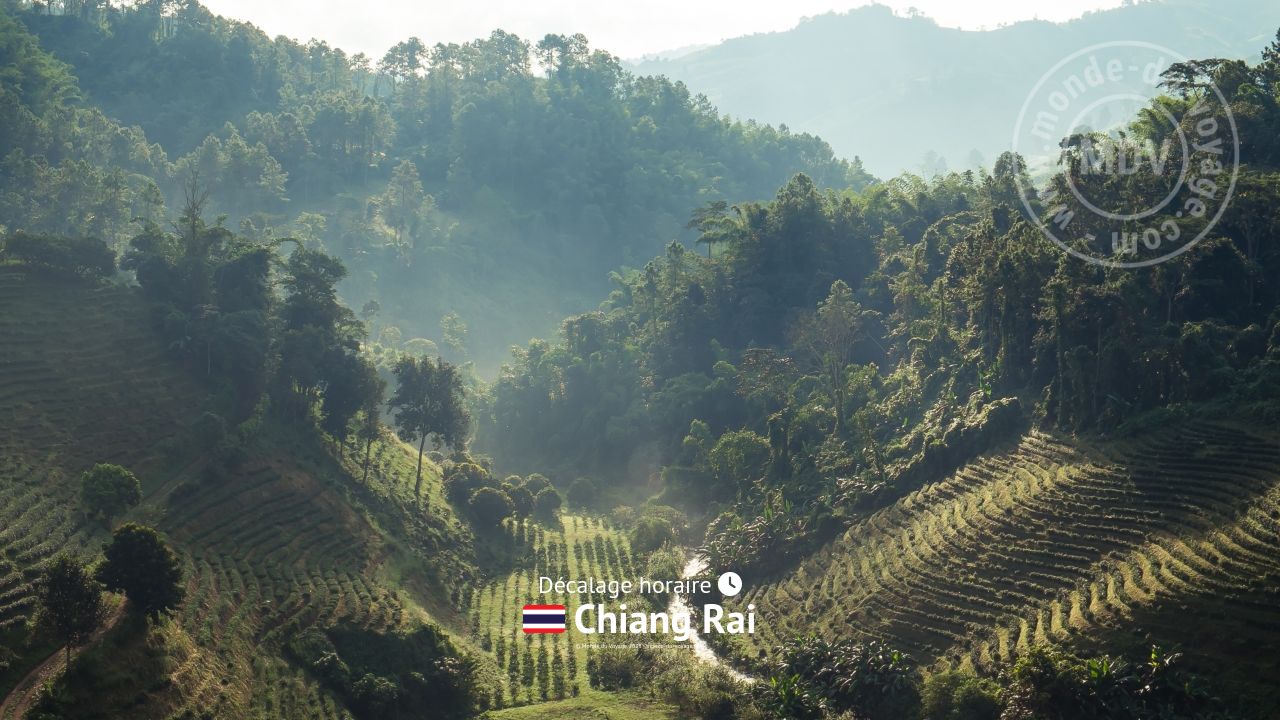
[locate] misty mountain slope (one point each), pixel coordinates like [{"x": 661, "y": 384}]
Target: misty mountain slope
[
  {"x": 890, "y": 89},
  {"x": 1169, "y": 538},
  {"x": 470, "y": 183}
]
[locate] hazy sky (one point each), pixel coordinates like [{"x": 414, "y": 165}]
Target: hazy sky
[{"x": 629, "y": 28}]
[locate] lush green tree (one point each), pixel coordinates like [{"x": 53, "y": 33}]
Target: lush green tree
[
  {"x": 70, "y": 602},
  {"x": 536, "y": 483},
  {"x": 404, "y": 205},
  {"x": 109, "y": 490},
  {"x": 1050, "y": 683},
  {"x": 491, "y": 506},
  {"x": 829, "y": 337},
  {"x": 80, "y": 257},
  {"x": 462, "y": 479},
  {"x": 547, "y": 502},
  {"x": 239, "y": 175},
  {"x": 522, "y": 500},
  {"x": 738, "y": 459},
  {"x": 352, "y": 385},
  {"x": 369, "y": 427},
  {"x": 140, "y": 564},
  {"x": 956, "y": 695},
  {"x": 428, "y": 403},
  {"x": 651, "y": 533}
]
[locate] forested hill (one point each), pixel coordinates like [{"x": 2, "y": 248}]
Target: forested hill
[
  {"x": 466, "y": 188},
  {"x": 907, "y": 95}
]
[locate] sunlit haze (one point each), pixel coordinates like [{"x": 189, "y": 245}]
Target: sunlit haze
[{"x": 627, "y": 29}]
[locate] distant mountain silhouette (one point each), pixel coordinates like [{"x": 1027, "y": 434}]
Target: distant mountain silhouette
[{"x": 903, "y": 93}]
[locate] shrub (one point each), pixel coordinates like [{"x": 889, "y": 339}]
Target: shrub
[
  {"x": 960, "y": 696},
  {"x": 651, "y": 533},
  {"x": 391, "y": 675},
  {"x": 548, "y": 502},
  {"x": 463, "y": 479},
  {"x": 583, "y": 492},
  {"x": 664, "y": 563},
  {"x": 702, "y": 691},
  {"x": 738, "y": 458},
  {"x": 522, "y": 499},
  {"x": 617, "y": 668},
  {"x": 1050, "y": 683},
  {"x": 536, "y": 483},
  {"x": 490, "y": 506}
]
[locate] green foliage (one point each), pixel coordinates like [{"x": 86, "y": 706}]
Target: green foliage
[
  {"x": 462, "y": 479},
  {"x": 664, "y": 562},
  {"x": 426, "y": 164},
  {"x": 536, "y": 483},
  {"x": 870, "y": 680},
  {"x": 1050, "y": 683},
  {"x": 619, "y": 668},
  {"x": 787, "y": 696},
  {"x": 838, "y": 350},
  {"x": 491, "y": 506},
  {"x": 392, "y": 675},
  {"x": 738, "y": 459},
  {"x": 522, "y": 500},
  {"x": 70, "y": 601},
  {"x": 651, "y": 533},
  {"x": 955, "y": 695},
  {"x": 547, "y": 503},
  {"x": 428, "y": 403},
  {"x": 140, "y": 564},
  {"x": 109, "y": 490},
  {"x": 213, "y": 291},
  {"x": 87, "y": 258}
]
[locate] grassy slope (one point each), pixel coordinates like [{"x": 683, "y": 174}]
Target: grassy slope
[
  {"x": 289, "y": 541},
  {"x": 1169, "y": 539},
  {"x": 64, "y": 408}
]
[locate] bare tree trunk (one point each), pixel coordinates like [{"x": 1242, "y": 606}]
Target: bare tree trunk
[
  {"x": 417, "y": 485},
  {"x": 368, "y": 447}
]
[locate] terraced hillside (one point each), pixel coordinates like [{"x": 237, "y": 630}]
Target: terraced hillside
[
  {"x": 288, "y": 541},
  {"x": 1170, "y": 539},
  {"x": 71, "y": 394}
]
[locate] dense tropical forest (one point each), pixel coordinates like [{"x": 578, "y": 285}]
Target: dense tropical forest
[{"x": 260, "y": 457}]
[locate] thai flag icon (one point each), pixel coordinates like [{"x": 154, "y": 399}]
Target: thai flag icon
[{"x": 543, "y": 619}]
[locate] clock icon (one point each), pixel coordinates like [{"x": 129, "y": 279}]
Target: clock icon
[{"x": 730, "y": 584}]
